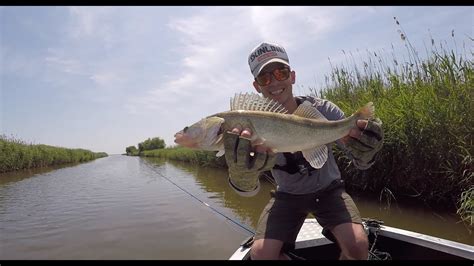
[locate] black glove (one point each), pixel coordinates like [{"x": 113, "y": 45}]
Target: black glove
[
  {"x": 245, "y": 169},
  {"x": 363, "y": 150}
]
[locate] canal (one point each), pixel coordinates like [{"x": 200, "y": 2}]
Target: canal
[{"x": 122, "y": 207}]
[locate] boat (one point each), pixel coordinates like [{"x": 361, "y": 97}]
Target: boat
[{"x": 385, "y": 243}]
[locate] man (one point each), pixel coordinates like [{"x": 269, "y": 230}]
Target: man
[{"x": 301, "y": 189}]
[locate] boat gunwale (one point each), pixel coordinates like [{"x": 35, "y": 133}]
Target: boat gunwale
[{"x": 435, "y": 243}]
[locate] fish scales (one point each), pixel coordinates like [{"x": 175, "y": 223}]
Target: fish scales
[
  {"x": 305, "y": 130},
  {"x": 287, "y": 132}
]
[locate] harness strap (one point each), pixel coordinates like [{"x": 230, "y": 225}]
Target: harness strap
[{"x": 295, "y": 162}]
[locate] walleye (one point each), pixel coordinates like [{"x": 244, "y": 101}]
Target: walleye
[{"x": 306, "y": 130}]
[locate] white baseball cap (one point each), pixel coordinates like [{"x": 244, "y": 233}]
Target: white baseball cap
[{"x": 264, "y": 54}]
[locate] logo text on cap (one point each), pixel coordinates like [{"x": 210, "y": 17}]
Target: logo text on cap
[{"x": 264, "y": 50}]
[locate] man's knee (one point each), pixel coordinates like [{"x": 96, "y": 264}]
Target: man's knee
[
  {"x": 357, "y": 249},
  {"x": 353, "y": 241},
  {"x": 266, "y": 249}
]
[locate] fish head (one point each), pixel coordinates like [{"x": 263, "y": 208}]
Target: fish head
[{"x": 204, "y": 135}]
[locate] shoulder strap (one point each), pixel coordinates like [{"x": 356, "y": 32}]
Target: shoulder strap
[
  {"x": 295, "y": 162},
  {"x": 301, "y": 99}
]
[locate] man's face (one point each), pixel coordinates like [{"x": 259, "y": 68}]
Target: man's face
[{"x": 278, "y": 90}]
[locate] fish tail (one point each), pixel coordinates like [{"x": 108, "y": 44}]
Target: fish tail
[{"x": 367, "y": 111}]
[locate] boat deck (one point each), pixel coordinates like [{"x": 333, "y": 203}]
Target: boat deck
[{"x": 310, "y": 235}]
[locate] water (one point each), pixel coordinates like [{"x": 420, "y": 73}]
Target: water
[{"x": 122, "y": 207}]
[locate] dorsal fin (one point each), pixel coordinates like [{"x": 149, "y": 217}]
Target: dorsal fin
[
  {"x": 307, "y": 110},
  {"x": 255, "y": 102}
]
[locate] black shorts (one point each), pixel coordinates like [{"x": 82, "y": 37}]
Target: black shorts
[{"x": 284, "y": 215}]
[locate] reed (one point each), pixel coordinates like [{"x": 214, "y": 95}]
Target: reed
[
  {"x": 202, "y": 158},
  {"x": 16, "y": 154},
  {"x": 466, "y": 209},
  {"x": 426, "y": 109}
]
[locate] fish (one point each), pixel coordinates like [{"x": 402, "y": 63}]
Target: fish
[{"x": 305, "y": 130}]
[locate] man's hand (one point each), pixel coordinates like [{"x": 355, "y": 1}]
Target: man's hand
[
  {"x": 245, "y": 165},
  {"x": 364, "y": 142}
]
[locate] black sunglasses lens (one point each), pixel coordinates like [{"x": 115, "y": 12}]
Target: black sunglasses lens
[
  {"x": 264, "y": 79},
  {"x": 281, "y": 74}
]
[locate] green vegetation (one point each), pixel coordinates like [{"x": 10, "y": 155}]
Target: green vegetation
[
  {"x": 151, "y": 144},
  {"x": 16, "y": 155},
  {"x": 466, "y": 209},
  {"x": 202, "y": 158},
  {"x": 131, "y": 150},
  {"x": 426, "y": 109},
  {"x": 147, "y": 145}
]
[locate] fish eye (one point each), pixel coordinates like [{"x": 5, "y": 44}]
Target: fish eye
[{"x": 185, "y": 129}]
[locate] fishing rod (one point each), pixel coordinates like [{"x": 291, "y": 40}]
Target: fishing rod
[{"x": 205, "y": 203}]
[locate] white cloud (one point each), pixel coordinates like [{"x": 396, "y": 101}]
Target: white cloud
[
  {"x": 287, "y": 25},
  {"x": 91, "y": 21},
  {"x": 210, "y": 59},
  {"x": 66, "y": 65},
  {"x": 107, "y": 79}
]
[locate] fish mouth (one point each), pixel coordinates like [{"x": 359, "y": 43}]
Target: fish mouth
[
  {"x": 184, "y": 140},
  {"x": 178, "y": 137}
]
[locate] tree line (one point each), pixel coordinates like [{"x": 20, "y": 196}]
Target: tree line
[{"x": 147, "y": 145}]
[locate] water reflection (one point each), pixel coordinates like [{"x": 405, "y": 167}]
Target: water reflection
[
  {"x": 214, "y": 182},
  {"x": 417, "y": 218},
  {"x": 15, "y": 176},
  {"x": 408, "y": 216}
]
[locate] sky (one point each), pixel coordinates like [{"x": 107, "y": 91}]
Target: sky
[{"x": 105, "y": 78}]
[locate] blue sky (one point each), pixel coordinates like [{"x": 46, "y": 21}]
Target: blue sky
[{"x": 104, "y": 78}]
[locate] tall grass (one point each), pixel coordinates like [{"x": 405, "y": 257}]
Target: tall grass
[
  {"x": 427, "y": 113},
  {"x": 466, "y": 209},
  {"x": 202, "y": 158},
  {"x": 15, "y": 154}
]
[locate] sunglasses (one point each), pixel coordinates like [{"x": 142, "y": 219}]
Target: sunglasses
[{"x": 280, "y": 74}]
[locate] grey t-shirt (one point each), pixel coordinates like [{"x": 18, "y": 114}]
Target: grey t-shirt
[{"x": 303, "y": 182}]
